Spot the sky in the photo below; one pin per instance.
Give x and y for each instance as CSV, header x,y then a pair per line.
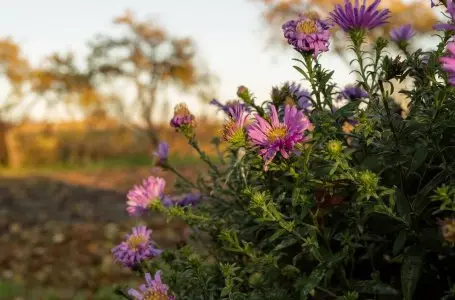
x,y
230,35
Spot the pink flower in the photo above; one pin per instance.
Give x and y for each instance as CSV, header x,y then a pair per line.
x,y
275,136
448,63
140,197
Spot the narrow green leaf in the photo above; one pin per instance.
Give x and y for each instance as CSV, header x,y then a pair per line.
x,y
277,234
312,281
374,287
400,241
410,272
403,206
418,158
422,200
286,243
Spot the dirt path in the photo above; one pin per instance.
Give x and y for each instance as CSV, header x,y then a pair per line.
x,y
56,230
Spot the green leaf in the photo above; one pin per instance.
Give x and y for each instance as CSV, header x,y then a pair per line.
x,y
225,291
423,199
400,241
312,281
286,243
410,272
374,287
277,234
403,206
418,158
348,110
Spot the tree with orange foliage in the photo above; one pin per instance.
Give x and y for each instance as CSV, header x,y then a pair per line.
x,y
16,69
276,12
148,57
60,80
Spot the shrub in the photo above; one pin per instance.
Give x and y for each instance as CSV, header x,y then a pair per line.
x,y
328,194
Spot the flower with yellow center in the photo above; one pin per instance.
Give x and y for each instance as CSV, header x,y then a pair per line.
x,y
277,133
307,27
155,295
134,241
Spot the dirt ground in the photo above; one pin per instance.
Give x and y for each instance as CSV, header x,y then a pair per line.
x,y
56,230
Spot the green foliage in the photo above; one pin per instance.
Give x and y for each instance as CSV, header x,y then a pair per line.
x,y
356,214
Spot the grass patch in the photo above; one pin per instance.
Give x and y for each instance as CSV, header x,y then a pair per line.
x,y
123,162
10,290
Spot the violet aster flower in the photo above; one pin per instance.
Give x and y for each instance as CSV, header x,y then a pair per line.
x,y
218,104
137,247
275,136
308,34
162,152
141,197
359,17
352,93
402,33
153,289
448,63
451,13
182,117
234,128
302,96
230,104
190,199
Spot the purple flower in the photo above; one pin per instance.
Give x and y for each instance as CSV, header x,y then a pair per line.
x,y
190,199
218,104
153,289
182,117
451,12
402,33
273,137
352,93
448,63
141,197
234,128
353,17
236,105
162,152
308,34
137,247
302,96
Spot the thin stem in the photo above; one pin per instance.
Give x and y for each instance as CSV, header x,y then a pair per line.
x,y
173,170
193,142
314,87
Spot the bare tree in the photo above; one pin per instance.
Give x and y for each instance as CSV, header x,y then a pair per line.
x,y
59,80
149,58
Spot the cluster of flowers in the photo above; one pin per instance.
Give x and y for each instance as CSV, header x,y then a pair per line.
x,y
268,133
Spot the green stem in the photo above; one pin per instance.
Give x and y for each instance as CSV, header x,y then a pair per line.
x,y
173,170
314,87
193,142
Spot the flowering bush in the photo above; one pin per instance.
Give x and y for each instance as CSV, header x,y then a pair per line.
x,y
337,193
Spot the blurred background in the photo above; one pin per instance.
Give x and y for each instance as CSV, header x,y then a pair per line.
x,y
87,89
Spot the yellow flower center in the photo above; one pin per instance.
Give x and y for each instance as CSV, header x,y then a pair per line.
x,y
155,295
276,133
135,240
307,27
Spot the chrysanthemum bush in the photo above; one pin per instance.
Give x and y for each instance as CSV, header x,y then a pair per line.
x,y
327,193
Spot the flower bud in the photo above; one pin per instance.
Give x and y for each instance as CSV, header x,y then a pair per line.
x,y
334,147
243,92
255,279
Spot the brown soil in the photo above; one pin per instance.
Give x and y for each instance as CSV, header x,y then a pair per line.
x,y
57,230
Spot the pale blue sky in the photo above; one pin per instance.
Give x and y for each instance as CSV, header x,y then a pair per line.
x,y
230,35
